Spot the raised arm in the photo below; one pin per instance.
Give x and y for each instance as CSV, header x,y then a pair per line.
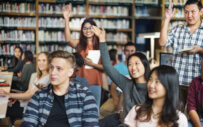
x,y
66,14
115,76
164,30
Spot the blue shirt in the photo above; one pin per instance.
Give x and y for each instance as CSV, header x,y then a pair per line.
x,y
188,66
121,68
81,108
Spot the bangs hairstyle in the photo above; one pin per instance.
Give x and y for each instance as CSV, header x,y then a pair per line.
x,y
144,61
63,54
168,76
83,40
197,2
39,72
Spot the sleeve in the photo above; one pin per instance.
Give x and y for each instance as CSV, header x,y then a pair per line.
x,y
90,115
30,118
18,67
182,122
191,103
171,37
115,76
24,75
130,118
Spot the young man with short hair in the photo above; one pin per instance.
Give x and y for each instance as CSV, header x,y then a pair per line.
x,y
62,103
189,35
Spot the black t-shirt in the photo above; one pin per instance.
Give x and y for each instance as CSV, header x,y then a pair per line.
x,y
57,116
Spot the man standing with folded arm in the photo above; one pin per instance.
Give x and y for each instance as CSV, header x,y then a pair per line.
x,y
62,103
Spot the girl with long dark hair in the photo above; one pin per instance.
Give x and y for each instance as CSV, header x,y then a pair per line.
x,y
87,41
134,89
162,103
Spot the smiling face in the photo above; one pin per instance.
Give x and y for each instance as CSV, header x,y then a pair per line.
x,y
42,62
136,68
156,89
87,30
17,53
60,71
192,14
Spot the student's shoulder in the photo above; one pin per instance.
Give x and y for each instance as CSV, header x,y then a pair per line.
x,y
78,86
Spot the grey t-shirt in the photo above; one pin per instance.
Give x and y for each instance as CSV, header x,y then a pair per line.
x,y
133,93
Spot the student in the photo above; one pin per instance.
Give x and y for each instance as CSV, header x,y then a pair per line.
x,y
88,41
16,110
162,102
75,78
194,101
122,68
62,103
24,76
184,36
135,89
17,62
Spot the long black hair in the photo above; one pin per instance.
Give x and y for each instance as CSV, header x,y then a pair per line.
x,y
168,76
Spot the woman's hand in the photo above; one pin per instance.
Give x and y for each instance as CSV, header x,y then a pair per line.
x,y
88,61
39,85
100,33
3,93
66,11
170,11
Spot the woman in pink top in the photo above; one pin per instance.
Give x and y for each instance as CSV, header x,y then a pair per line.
x,y
160,109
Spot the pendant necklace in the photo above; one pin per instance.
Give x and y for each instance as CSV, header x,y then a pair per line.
x,y
155,115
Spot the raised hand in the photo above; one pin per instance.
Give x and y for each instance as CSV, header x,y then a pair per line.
x,y
170,11
66,11
100,33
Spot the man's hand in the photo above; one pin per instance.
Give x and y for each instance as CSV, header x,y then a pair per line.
x,y
196,49
170,11
66,11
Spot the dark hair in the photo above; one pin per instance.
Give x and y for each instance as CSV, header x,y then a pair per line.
x,y
83,40
197,2
15,62
63,54
169,115
79,59
129,44
112,54
144,61
28,56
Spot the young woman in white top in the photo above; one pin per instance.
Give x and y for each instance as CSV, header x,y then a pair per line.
x,y
42,79
161,106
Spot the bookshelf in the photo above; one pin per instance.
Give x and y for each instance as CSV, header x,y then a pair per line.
x,y
39,24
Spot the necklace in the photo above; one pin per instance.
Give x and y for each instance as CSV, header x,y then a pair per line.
x,y
155,115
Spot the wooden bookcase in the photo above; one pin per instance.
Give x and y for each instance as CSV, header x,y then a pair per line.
x,y
156,14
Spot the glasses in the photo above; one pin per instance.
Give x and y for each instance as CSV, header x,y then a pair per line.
x,y
85,28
